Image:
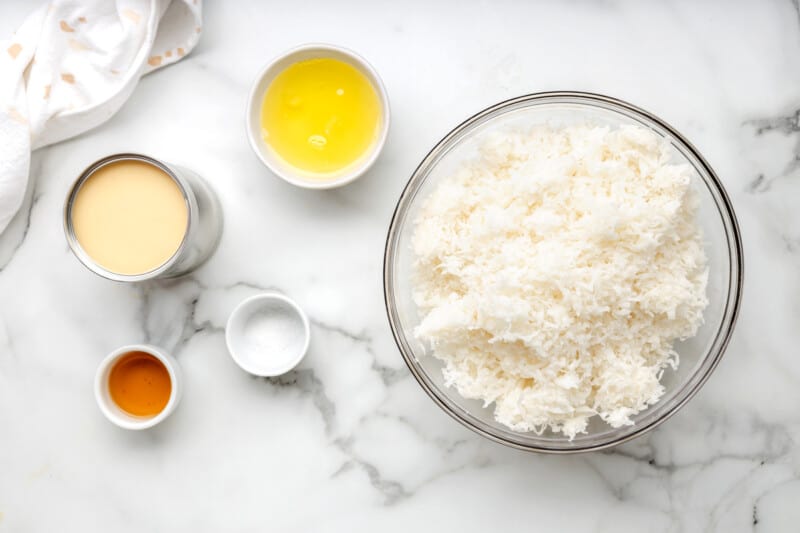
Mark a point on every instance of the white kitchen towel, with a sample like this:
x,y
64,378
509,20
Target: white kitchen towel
x,y
72,65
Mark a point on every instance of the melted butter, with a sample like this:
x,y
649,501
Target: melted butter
x,y
321,116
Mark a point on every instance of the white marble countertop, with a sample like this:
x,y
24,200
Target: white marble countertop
x,y
349,442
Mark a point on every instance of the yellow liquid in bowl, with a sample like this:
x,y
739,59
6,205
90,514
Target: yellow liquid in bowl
x,y
320,116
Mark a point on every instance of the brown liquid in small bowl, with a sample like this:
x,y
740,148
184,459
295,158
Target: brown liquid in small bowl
x,y
140,384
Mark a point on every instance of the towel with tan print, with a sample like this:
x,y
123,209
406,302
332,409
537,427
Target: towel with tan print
x,y
72,65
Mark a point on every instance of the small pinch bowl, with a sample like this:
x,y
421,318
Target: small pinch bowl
x,y
112,411
255,360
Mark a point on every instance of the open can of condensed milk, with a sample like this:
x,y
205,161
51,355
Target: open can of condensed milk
x,y
130,217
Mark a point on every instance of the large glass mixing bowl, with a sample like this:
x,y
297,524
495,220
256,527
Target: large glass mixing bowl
x,y
698,355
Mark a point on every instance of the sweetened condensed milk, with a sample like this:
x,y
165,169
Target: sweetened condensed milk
x,y
129,216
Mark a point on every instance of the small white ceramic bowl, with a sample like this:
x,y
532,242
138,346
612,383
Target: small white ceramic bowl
x,y
112,411
267,334
268,156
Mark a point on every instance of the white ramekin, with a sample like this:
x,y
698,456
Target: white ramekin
x,y
259,362
112,411
268,156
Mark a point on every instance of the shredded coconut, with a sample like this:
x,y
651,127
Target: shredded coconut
x,y
554,272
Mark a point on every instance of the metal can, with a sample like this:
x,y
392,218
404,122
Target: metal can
x,y
203,229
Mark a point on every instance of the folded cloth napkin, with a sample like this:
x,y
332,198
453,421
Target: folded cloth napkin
x,y
72,65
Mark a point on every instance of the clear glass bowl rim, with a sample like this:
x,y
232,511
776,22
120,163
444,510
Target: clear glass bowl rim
x,y
707,174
